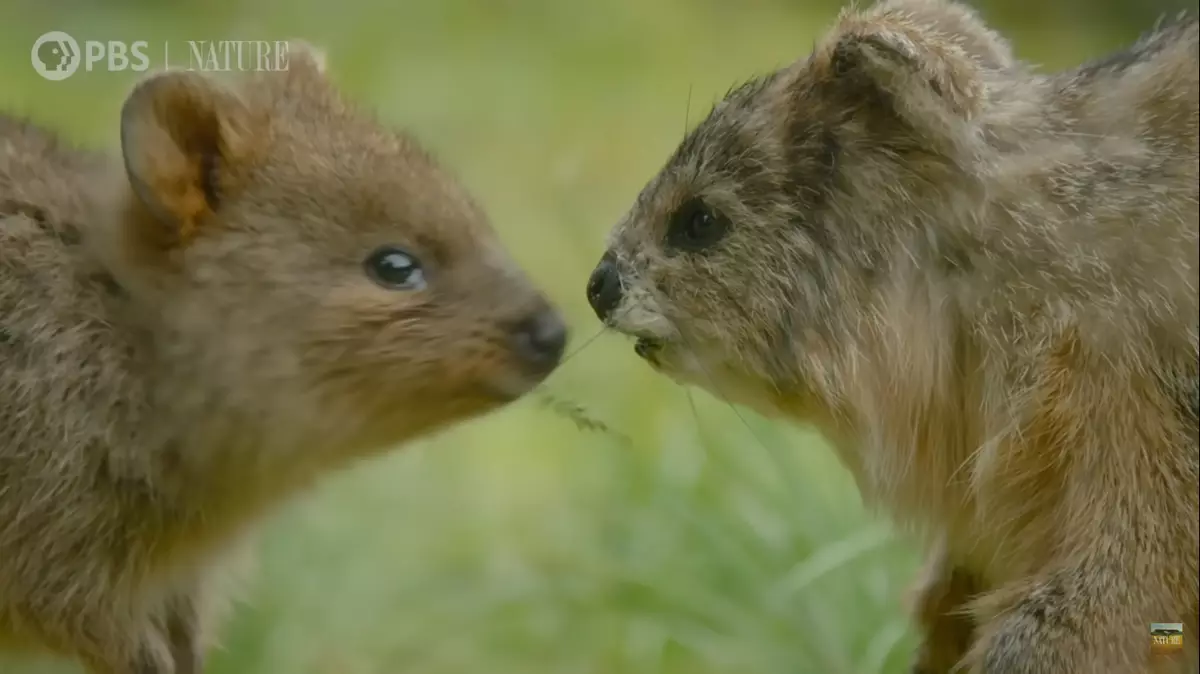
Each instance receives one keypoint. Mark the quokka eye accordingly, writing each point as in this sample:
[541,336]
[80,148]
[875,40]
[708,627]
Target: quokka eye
[696,226]
[395,269]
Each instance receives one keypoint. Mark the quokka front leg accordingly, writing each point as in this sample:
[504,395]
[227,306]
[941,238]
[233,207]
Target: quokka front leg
[941,611]
[1089,610]
[1064,625]
[183,635]
[147,653]
[168,642]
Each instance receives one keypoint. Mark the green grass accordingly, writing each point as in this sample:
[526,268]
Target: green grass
[714,543]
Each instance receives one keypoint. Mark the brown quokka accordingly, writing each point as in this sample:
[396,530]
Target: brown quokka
[980,282]
[267,286]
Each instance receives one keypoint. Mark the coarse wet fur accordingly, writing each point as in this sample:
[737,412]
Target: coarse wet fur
[980,282]
[264,286]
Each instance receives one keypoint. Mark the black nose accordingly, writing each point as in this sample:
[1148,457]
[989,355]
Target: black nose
[604,287]
[540,339]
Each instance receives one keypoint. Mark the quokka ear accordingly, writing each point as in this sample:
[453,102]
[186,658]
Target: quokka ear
[301,84]
[183,138]
[899,53]
[306,58]
[305,77]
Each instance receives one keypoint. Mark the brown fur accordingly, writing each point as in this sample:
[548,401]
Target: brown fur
[188,336]
[981,283]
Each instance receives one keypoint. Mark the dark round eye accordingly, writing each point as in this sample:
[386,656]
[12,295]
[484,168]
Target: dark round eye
[696,226]
[395,269]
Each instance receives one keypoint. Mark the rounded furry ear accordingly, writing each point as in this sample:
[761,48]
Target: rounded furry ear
[898,49]
[182,136]
[304,78]
[306,57]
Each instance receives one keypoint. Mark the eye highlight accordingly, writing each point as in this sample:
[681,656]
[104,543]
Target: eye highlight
[395,269]
[695,226]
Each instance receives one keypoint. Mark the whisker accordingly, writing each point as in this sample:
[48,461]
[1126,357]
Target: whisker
[714,388]
[583,346]
[687,111]
[725,399]
[589,340]
[574,411]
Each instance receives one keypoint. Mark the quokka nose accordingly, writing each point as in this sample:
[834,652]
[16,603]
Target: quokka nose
[540,339]
[604,287]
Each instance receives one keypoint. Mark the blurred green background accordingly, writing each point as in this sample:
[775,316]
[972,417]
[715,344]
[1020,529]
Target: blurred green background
[711,543]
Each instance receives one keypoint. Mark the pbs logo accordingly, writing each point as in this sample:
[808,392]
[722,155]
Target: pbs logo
[56,55]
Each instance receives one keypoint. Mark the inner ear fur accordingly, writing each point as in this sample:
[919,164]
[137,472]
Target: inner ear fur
[923,58]
[184,137]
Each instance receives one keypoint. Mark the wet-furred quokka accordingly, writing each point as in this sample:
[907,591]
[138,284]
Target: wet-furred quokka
[264,285]
[979,281]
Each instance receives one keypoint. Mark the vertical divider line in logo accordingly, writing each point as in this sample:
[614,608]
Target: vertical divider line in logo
[55,56]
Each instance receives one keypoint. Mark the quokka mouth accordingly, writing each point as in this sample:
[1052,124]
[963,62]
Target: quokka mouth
[647,347]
